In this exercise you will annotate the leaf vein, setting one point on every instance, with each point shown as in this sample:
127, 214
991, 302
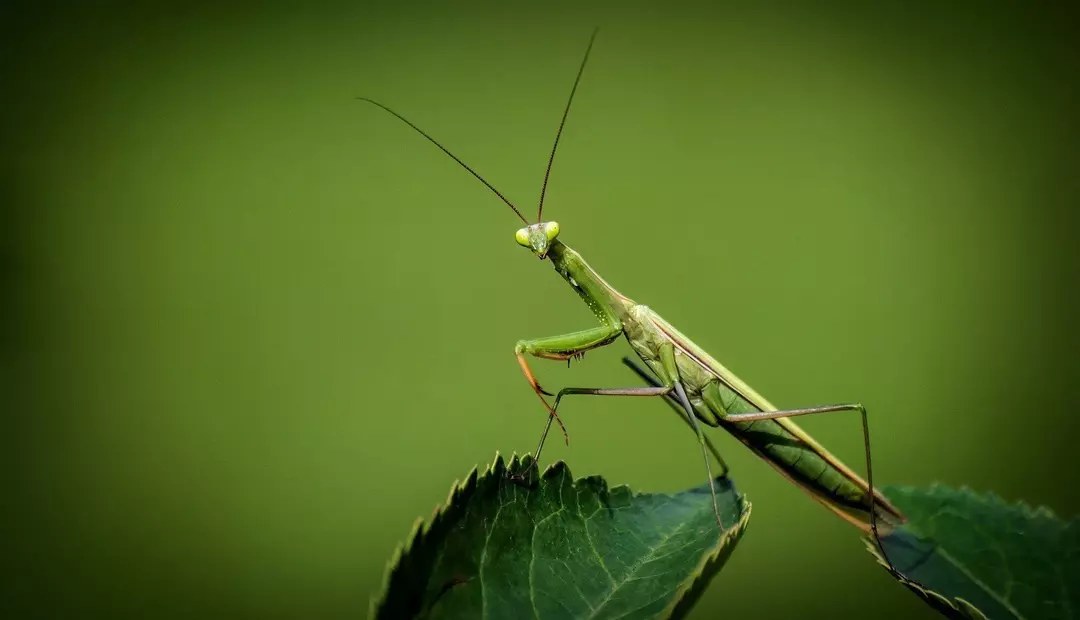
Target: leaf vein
638, 566
592, 545
532, 551
967, 573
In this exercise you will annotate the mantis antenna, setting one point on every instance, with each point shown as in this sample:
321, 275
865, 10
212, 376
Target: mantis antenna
566, 112
554, 147
452, 156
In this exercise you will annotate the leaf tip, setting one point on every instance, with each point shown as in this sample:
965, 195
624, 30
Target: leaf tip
687, 595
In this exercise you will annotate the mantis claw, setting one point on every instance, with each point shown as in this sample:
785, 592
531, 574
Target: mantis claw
540, 392
524, 476
580, 355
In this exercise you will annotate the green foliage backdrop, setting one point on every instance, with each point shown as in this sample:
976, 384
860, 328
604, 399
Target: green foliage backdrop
252, 328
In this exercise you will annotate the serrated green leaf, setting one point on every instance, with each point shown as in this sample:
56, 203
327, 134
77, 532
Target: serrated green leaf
975, 556
560, 548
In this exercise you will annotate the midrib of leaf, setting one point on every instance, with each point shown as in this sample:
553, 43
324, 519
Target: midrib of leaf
637, 566
967, 573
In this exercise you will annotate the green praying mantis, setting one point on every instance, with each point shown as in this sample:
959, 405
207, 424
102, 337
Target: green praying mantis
699, 388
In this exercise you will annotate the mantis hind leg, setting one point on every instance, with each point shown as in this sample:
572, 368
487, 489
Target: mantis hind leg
711, 396
678, 401
673, 402
704, 453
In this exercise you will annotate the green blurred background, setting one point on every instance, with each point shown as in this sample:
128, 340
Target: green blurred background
253, 328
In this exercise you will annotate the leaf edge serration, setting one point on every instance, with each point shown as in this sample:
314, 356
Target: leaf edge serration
694, 585
955, 607
687, 594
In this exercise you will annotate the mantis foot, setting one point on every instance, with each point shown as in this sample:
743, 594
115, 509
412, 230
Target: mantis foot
524, 477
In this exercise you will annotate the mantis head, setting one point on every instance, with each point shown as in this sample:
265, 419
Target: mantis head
538, 237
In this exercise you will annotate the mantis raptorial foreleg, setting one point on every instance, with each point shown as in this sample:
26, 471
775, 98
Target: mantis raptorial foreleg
562, 347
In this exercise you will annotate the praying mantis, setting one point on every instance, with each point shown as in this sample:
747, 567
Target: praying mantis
682, 373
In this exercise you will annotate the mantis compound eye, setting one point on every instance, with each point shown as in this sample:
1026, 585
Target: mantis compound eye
522, 237
551, 230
